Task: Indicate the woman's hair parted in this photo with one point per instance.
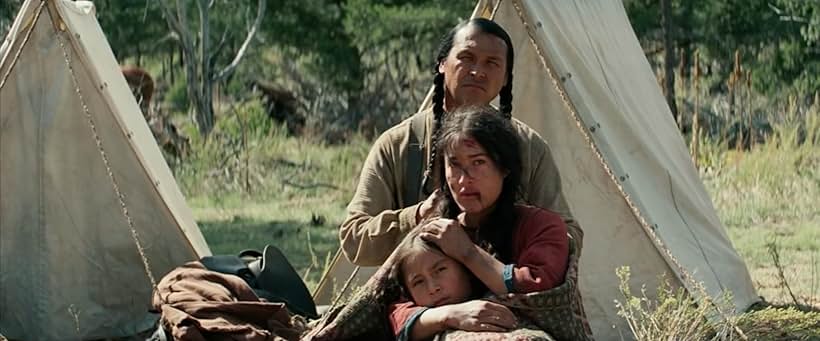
(499, 139)
(505, 96)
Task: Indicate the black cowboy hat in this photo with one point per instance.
(270, 275)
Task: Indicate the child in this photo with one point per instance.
(430, 278)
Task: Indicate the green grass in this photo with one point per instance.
(304, 229)
(769, 197)
(287, 191)
(769, 200)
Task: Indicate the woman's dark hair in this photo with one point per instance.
(499, 139)
(505, 96)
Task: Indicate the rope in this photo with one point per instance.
(495, 9)
(104, 157)
(344, 288)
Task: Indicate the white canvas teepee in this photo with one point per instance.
(88, 206)
(582, 81)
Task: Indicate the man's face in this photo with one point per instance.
(475, 70)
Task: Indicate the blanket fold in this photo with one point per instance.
(197, 305)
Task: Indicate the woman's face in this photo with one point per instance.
(473, 177)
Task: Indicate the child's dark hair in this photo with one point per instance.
(413, 244)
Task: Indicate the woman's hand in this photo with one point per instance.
(450, 237)
(477, 315)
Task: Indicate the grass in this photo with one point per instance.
(769, 200)
(273, 189)
(768, 197)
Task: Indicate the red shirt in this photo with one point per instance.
(540, 255)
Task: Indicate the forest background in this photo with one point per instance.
(275, 105)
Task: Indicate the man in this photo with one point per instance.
(474, 65)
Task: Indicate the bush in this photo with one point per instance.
(176, 99)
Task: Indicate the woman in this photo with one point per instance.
(510, 248)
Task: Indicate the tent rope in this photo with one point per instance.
(25, 40)
(104, 157)
(495, 9)
(684, 274)
(344, 288)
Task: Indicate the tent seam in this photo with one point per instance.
(694, 237)
(671, 189)
(598, 59)
(40, 310)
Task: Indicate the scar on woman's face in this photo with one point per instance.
(470, 142)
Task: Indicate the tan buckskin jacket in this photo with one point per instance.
(378, 219)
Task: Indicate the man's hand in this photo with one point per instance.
(428, 205)
(450, 237)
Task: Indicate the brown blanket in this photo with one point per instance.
(198, 305)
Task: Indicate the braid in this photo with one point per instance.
(506, 97)
(438, 115)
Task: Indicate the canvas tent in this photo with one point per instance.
(582, 81)
(82, 184)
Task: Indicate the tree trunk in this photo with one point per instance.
(171, 66)
(196, 60)
(668, 58)
(205, 109)
(139, 55)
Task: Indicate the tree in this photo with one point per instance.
(668, 58)
(776, 39)
(8, 9)
(199, 54)
(375, 55)
(133, 28)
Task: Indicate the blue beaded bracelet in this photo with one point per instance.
(507, 273)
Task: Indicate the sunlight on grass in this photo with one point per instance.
(270, 188)
(769, 196)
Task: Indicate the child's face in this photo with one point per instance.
(434, 279)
